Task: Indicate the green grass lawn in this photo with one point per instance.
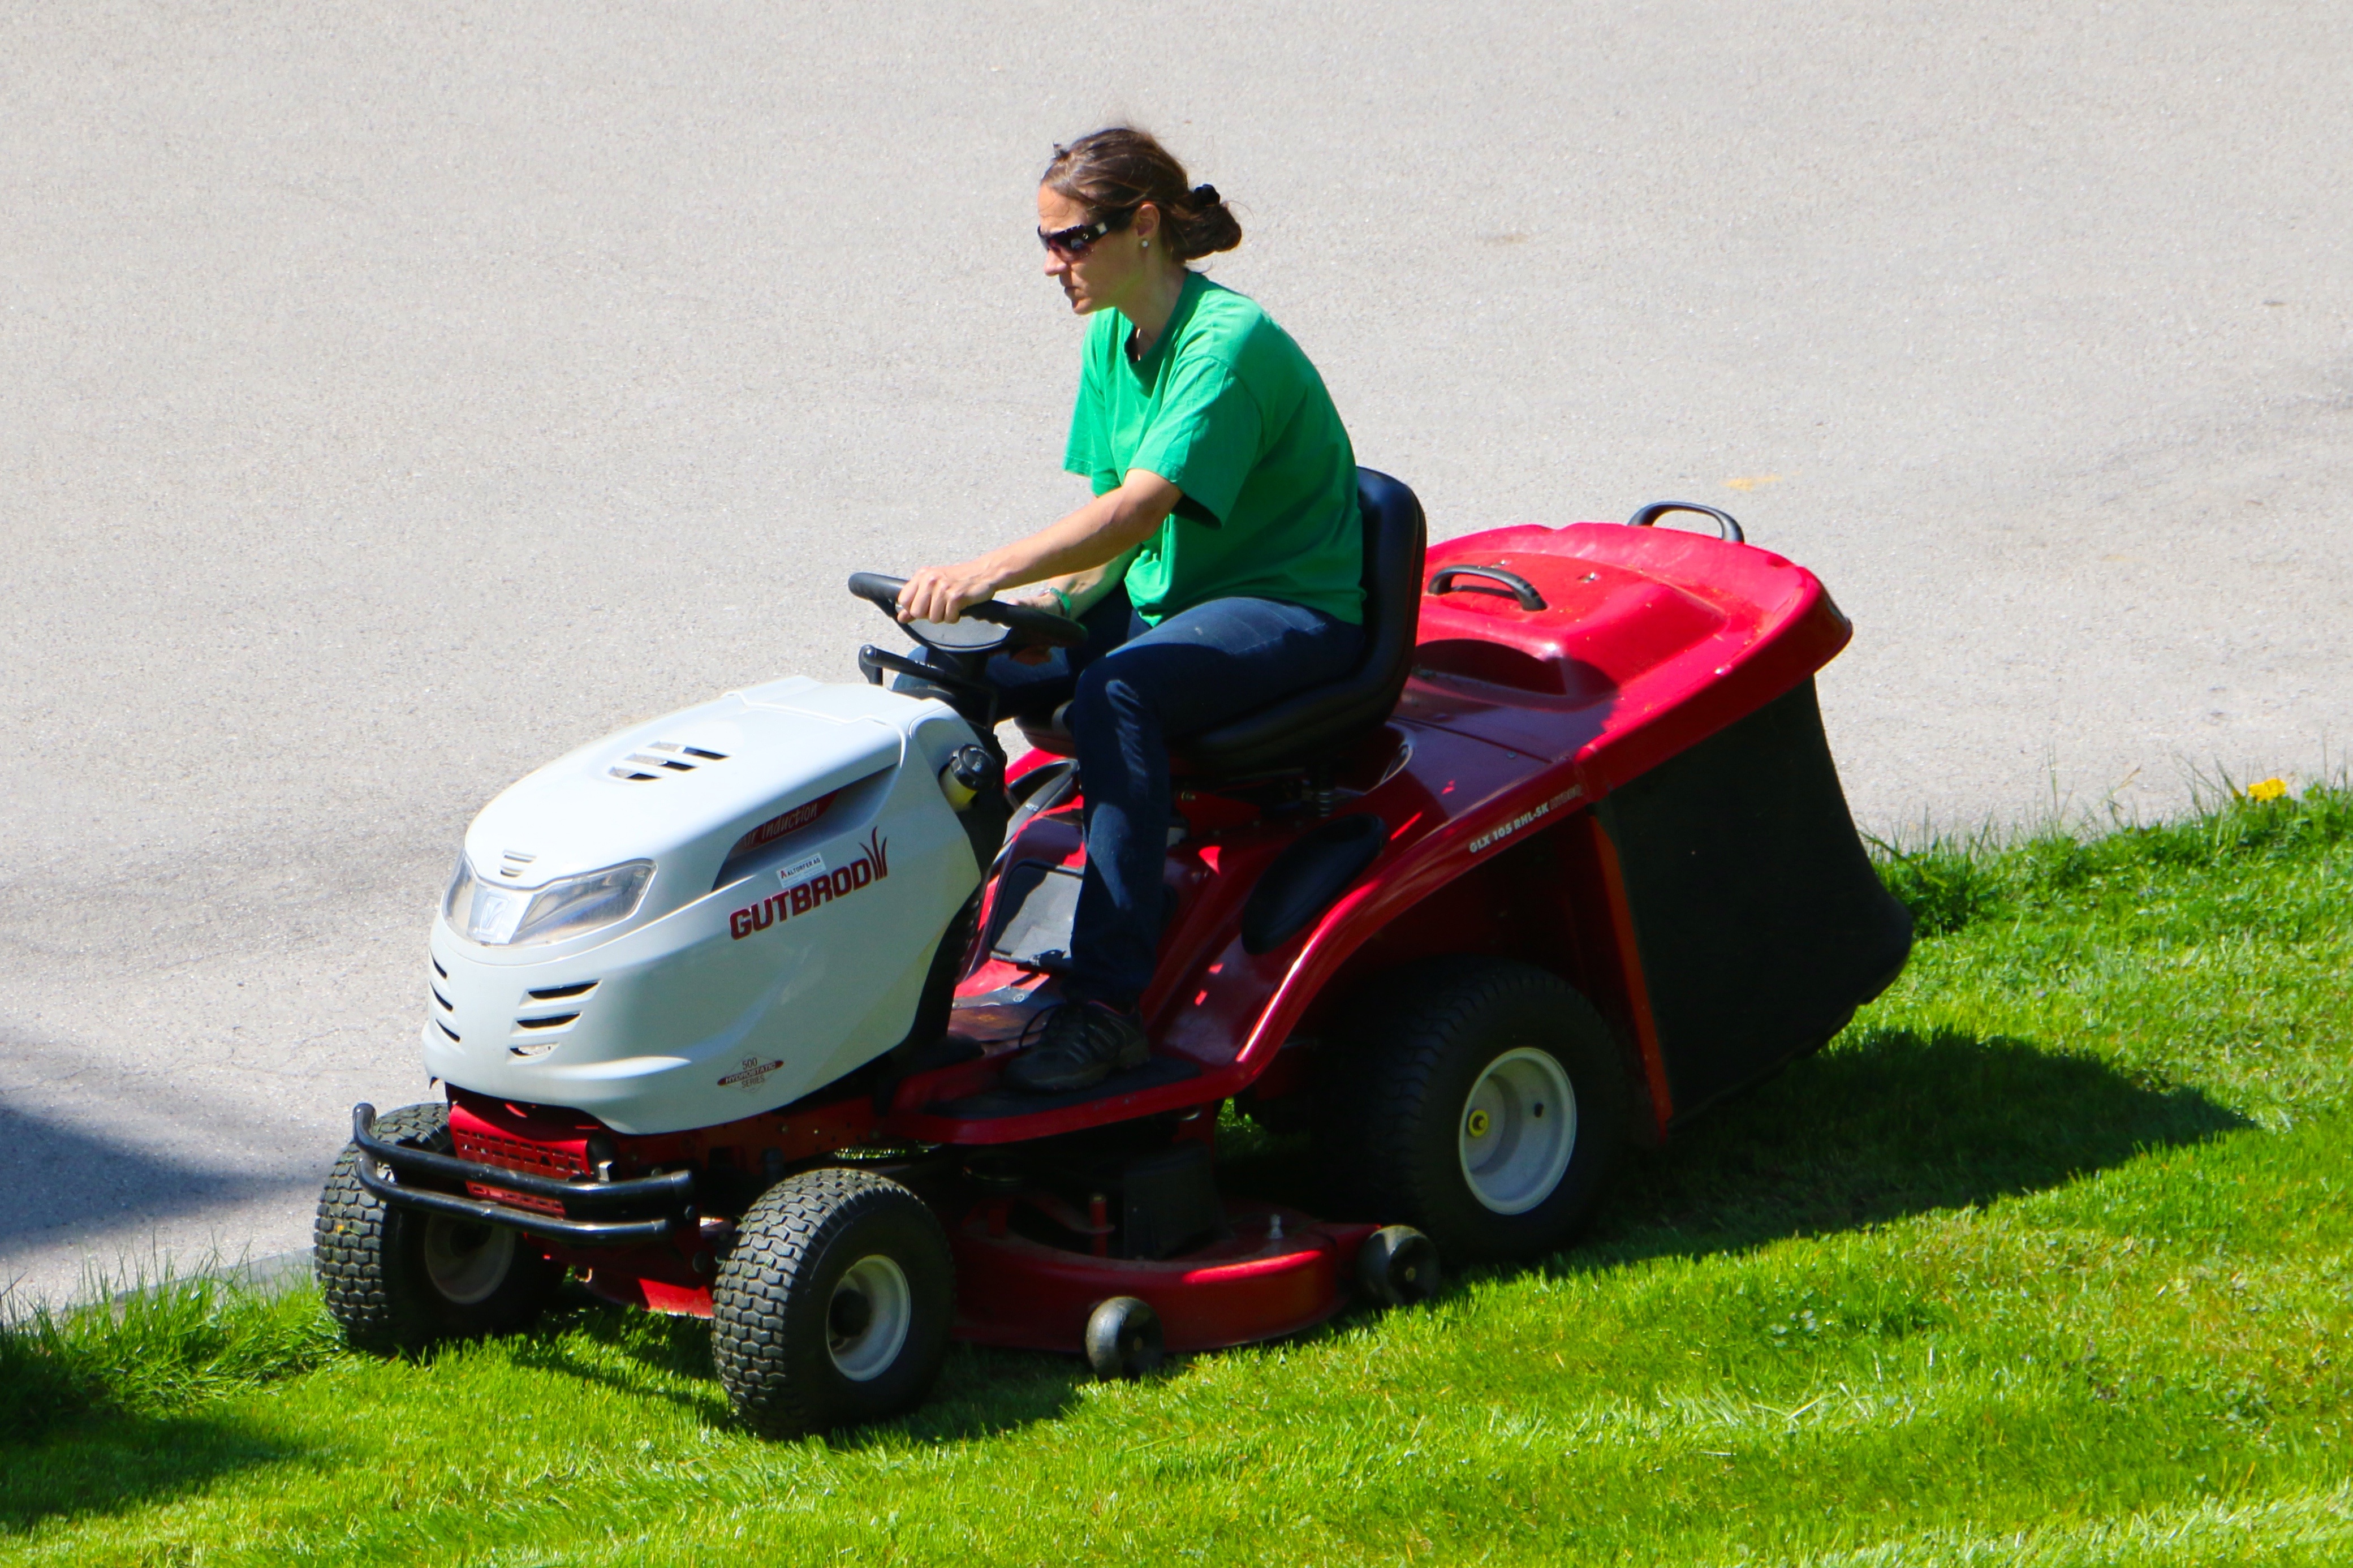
(2043, 1261)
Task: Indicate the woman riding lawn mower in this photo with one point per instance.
(803, 1011)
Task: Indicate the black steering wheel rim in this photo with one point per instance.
(1033, 625)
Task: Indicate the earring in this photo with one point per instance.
(1146, 245)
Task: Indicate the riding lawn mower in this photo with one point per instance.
(720, 1004)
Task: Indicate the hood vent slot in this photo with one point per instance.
(556, 1022)
(446, 1030)
(562, 992)
(660, 759)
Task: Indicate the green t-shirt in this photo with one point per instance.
(1225, 408)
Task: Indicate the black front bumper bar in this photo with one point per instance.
(632, 1213)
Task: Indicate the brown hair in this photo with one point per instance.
(1119, 169)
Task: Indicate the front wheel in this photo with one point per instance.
(833, 1306)
(395, 1279)
(1477, 1099)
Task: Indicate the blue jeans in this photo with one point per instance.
(1132, 690)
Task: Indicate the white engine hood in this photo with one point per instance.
(702, 777)
(711, 1001)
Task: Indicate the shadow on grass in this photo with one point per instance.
(1888, 1124)
(105, 1462)
(666, 1350)
(981, 1393)
(113, 1406)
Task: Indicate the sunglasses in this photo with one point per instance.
(1075, 241)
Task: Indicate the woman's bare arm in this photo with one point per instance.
(1094, 536)
(1075, 592)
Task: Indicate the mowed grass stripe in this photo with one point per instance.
(2043, 1261)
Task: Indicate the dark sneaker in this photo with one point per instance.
(1082, 1044)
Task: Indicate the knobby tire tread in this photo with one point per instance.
(1411, 1019)
(780, 1242)
(348, 1239)
(1403, 1036)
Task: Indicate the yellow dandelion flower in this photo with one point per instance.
(2270, 789)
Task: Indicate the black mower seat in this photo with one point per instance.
(1309, 725)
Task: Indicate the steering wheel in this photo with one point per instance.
(981, 628)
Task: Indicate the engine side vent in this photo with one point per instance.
(562, 992)
(661, 759)
(446, 1030)
(554, 1021)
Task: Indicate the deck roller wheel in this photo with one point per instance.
(394, 1280)
(1123, 1339)
(1398, 1267)
(833, 1305)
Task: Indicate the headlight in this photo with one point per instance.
(526, 917)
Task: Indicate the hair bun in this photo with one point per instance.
(1120, 168)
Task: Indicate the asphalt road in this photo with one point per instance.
(392, 397)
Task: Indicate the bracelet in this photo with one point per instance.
(1063, 599)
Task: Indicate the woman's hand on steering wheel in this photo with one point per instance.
(1037, 596)
(941, 593)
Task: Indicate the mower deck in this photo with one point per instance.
(1277, 1272)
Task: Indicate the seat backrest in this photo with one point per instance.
(1306, 726)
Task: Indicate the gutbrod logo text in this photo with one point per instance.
(873, 864)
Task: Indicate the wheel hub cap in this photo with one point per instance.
(467, 1261)
(1518, 1131)
(867, 1321)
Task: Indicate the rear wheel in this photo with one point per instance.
(833, 1307)
(1477, 1099)
(394, 1280)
